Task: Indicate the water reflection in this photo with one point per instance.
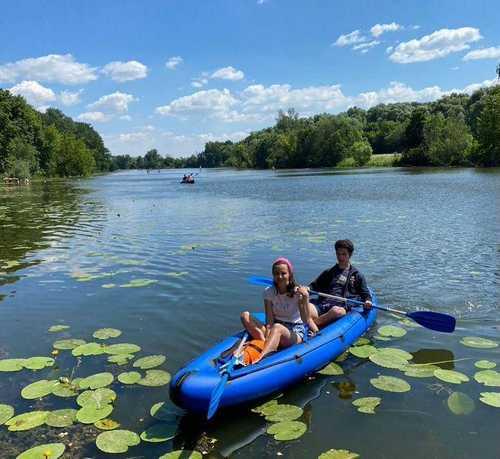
(444, 358)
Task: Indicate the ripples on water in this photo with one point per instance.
(425, 240)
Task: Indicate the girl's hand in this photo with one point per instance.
(303, 292)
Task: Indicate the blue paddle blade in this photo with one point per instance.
(434, 320)
(217, 395)
(258, 280)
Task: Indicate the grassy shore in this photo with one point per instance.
(385, 160)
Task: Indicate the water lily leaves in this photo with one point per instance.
(164, 412)
(11, 364)
(129, 377)
(39, 389)
(391, 331)
(388, 359)
(285, 413)
(460, 403)
(390, 384)
(489, 398)
(382, 338)
(47, 451)
(37, 363)
(288, 430)
(122, 348)
(420, 371)
(267, 408)
(367, 405)
(182, 454)
(65, 389)
(342, 357)
(451, 376)
(158, 433)
(27, 421)
(155, 378)
(398, 352)
(177, 274)
(117, 441)
(61, 418)
(488, 378)
(478, 342)
(139, 283)
(362, 341)
(338, 454)
(96, 398)
(332, 369)
(58, 328)
(363, 352)
(485, 364)
(6, 412)
(106, 333)
(67, 344)
(151, 361)
(96, 381)
(89, 414)
(107, 424)
(120, 359)
(89, 349)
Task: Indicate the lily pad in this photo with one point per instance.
(382, 338)
(139, 283)
(338, 454)
(362, 341)
(11, 364)
(89, 414)
(491, 398)
(122, 348)
(155, 378)
(478, 342)
(285, 413)
(117, 441)
(39, 389)
(390, 384)
(420, 371)
(451, 376)
(107, 424)
(65, 390)
(288, 430)
(96, 381)
(46, 451)
(67, 344)
(160, 432)
(165, 412)
(397, 352)
(488, 378)
(6, 412)
(460, 403)
(89, 349)
(106, 333)
(267, 408)
(120, 359)
(58, 328)
(332, 369)
(485, 364)
(388, 360)
(37, 363)
(96, 398)
(182, 454)
(61, 418)
(342, 357)
(129, 377)
(367, 405)
(391, 331)
(363, 352)
(151, 361)
(27, 421)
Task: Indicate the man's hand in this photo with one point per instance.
(368, 305)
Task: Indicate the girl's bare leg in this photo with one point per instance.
(255, 328)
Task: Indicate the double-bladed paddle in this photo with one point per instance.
(428, 319)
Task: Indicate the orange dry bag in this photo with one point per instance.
(252, 351)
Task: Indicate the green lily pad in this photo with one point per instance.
(367, 405)
(177, 274)
(106, 333)
(122, 348)
(37, 363)
(39, 389)
(478, 342)
(390, 384)
(332, 369)
(381, 338)
(47, 451)
(409, 323)
(139, 283)
(129, 377)
(288, 430)
(27, 421)
(89, 349)
(396, 352)
(96, 398)
(267, 408)
(107, 424)
(363, 352)
(391, 331)
(11, 364)
(451, 376)
(362, 341)
(151, 361)
(387, 360)
(165, 412)
(120, 359)
(420, 371)
(485, 364)
(116, 441)
(67, 344)
(58, 328)
(285, 413)
(6, 412)
(155, 378)
(342, 357)
(182, 454)
(488, 378)
(491, 398)
(460, 403)
(61, 418)
(338, 454)
(96, 381)
(89, 414)
(65, 390)
(158, 433)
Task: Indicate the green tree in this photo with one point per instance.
(73, 157)
(488, 131)
(361, 152)
(22, 159)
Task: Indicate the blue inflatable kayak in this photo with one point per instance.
(192, 386)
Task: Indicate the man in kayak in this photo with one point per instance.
(343, 280)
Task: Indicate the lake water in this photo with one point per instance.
(425, 239)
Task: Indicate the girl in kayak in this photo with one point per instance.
(287, 311)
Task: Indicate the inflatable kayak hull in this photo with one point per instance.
(192, 386)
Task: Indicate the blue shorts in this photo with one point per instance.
(299, 329)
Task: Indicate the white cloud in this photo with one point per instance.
(484, 53)
(436, 45)
(228, 73)
(69, 98)
(51, 68)
(126, 117)
(199, 82)
(350, 39)
(469, 89)
(34, 93)
(366, 46)
(93, 117)
(379, 29)
(116, 103)
(125, 71)
(174, 62)
(389, 49)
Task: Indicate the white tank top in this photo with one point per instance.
(285, 308)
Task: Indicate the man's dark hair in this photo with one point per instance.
(345, 244)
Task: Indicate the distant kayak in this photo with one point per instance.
(192, 387)
(189, 182)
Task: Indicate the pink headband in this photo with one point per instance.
(284, 261)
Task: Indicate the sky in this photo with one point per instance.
(173, 75)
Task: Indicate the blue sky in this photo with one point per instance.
(174, 74)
